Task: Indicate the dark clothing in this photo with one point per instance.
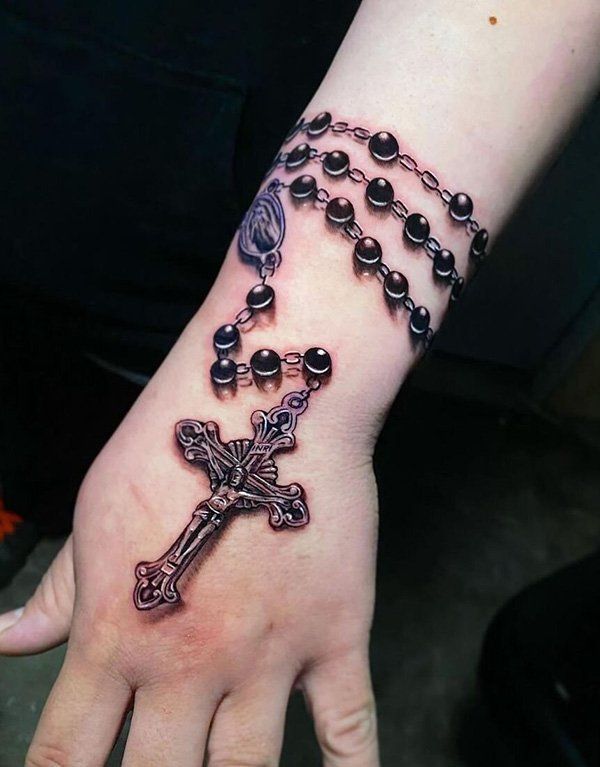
(134, 135)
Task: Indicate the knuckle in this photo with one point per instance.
(348, 732)
(42, 755)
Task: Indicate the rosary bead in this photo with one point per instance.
(457, 289)
(223, 371)
(298, 156)
(303, 187)
(461, 206)
(395, 286)
(265, 363)
(416, 228)
(317, 362)
(383, 146)
(443, 263)
(339, 210)
(260, 297)
(336, 163)
(479, 244)
(367, 251)
(419, 320)
(380, 192)
(226, 337)
(319, 124)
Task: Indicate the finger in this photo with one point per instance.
(45, 620)
(169, 726)
(248, 726)
(82, 716)
(340, 697)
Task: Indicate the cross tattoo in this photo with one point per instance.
(242, 476)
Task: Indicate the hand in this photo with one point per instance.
(263, 612)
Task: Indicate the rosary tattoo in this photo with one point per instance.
(242, 472)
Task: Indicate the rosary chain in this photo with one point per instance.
(431, 244)
(354, 231)
(428, 178)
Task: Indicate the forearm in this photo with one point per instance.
(480, 106)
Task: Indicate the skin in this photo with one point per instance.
(484, 106)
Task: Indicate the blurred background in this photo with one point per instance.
(133, 138)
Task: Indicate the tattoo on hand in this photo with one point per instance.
(243, 472)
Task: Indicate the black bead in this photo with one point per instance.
(303, 187)
(479, 244)
(336, 163)
(443, 263)
(298, 156)
(265, 363)
(339, 210)
(226, 337)
(223, 371)
(380, 192)
(395, 286)
(383, 146)
(319, 124)
(317, 362)
(461, 206)
(416, 228)
(260, 297)
(294, 130)
(457, 289)
(419, 320)
(367, 251)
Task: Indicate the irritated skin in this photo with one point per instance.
(264, 611)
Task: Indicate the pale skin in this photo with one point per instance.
(483, 106)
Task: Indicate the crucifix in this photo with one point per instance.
(243, 476)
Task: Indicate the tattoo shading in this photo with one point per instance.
(242, 476)
(243, 472)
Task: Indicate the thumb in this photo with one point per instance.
(45, 620)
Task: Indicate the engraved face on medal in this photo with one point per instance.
(262, 230)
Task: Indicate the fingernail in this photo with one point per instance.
(9, 619)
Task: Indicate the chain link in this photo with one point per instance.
(292, 358)
(244, 316)
(322, 196)
(358, 175)
(408, 163)
(242, 368)
(276, 186)
(429, 180)
(399, 209)
(353, 229)
(339, 127)
(361, 133)
(268, 268)
(432, 245)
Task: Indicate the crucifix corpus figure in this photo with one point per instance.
(243, 475)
